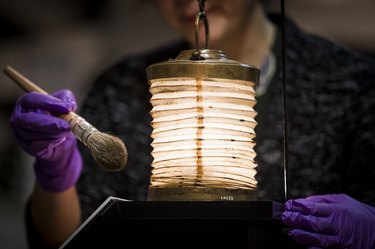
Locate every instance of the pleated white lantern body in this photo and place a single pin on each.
(203, 128)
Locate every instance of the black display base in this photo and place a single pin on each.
(119, 223)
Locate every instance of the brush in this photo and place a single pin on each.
(108, 151)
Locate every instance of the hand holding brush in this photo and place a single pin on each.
(44, 126)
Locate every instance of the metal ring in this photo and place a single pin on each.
(201, 16)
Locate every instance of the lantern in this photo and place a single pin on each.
(203, 126)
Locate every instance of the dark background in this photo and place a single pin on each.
(67, 43)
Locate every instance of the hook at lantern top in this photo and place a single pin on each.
(201, 16)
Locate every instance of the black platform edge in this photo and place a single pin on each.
(120, 223)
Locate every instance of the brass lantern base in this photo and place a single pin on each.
(200, 194)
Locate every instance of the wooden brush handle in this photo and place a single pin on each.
(29, 86)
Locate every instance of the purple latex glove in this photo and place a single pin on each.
(330, 221)
(48, 138)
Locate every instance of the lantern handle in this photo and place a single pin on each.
(200, 16)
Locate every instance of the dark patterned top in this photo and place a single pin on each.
(330, 120)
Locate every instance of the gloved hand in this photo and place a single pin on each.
(330, 221)
(42, 134)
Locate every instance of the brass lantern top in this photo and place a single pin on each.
(211, 64)
(203, 63)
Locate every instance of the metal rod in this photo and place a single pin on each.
(285, 123)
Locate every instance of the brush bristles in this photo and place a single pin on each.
(108, 151)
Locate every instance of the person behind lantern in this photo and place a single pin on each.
(330, 96)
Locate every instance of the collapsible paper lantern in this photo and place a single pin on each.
(203, 128)
(203, 125)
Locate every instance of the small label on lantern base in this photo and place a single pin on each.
(200, 194)
(227, 198)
